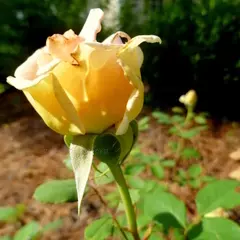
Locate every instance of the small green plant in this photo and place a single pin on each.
(143, 123)
(11, 214)
(32, 230)
(161, 215)
(185, 124)
(153, 162)
(193, 176)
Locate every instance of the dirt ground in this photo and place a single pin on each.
(32, 154)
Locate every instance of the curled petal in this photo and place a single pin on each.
(61, 46)
(130, 57)
(133, 108)
(70, 35)
(29, 72)
(92, 25)
(48, 67)
(116, 38)
(21, 83)
(136, 41)
(44, 58)
(28, 69)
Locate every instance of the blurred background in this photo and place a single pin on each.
(200, 50)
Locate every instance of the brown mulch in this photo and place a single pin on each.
(31, 154)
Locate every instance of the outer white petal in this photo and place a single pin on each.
(92, 25)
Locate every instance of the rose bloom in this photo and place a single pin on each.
(79, 86)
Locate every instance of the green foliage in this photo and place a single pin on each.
(158, 171)
(164, 208)
(168, 163)
(29, 231)
(52, 225)
(162, 117)
(160, 214)
(135, 196)
(177, 119)
(143, 123)
(190, 153)
(56, 191)
(136, 182)
(11, 214)
(173, 146)
(215, 229)
(34, 231)
(193, 176)
(188, 134)
(103, 175)
(6, 238)
(134, 169)
(143, 161)
(99, 229)
(200, 119)
(195, 171)
(222, 193)
(167, 211)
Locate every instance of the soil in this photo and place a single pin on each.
(31, 154)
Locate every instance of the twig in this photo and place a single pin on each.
(108, 210)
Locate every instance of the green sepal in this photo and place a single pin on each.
(68, 140)
(111, 148)
(107, 147)
(81, 153)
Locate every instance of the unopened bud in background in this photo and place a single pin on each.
(189, 99)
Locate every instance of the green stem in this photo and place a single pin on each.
(189, 115)
(127, 202)
(186, 122)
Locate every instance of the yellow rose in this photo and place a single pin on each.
(79, 86)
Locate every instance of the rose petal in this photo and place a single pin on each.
(70, 35)
(48, 67)
(98, 53)
(104, 80)
(61, 47)
(43, 98)
(130, 58)
(66, 104)
(44, 58)
(21, 83)
(92, 25)
(116, 38)
(28, 69)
